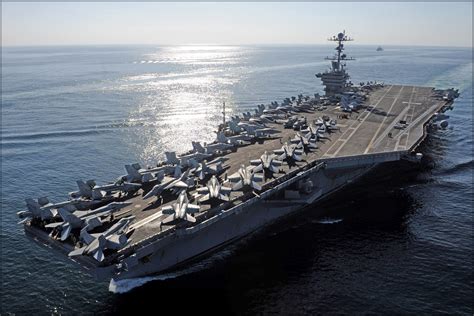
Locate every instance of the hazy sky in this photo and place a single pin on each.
(440, 24)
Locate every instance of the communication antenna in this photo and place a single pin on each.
(339, 56)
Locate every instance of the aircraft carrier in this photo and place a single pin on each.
(262, 166)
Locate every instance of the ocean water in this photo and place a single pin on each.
(398, 241)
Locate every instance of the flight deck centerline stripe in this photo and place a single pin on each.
(145, 220)
(408, 132)
(353, 124)
(362, 122)
(397, 144)
(383, 121)
(375, 142)
(389, 128)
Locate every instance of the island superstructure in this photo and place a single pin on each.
(262, 166)
(335, 80)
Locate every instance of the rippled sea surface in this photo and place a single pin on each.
(399, 241)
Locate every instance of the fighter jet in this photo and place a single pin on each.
(258, 130)
(304, 143)
(266, 163)
(121, 186)
(181, 209)
(211, 148)
(239, 140)
(45, 210)
(201, 170)
(246, 178)
(311, 133)
(85, 219)
(234, 127)
(136, 174)
(113, 238)
(259, 120)
(213, 190)
(41, 208)
(289, 152)
(184, 160)
(277, 110)
(326, 125)
(92, 191)
(332, 126)
(290, 122)
(176, 183)
(86, 190)
(133, 174)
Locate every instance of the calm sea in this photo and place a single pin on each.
(398, 241)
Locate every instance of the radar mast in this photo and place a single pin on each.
(335, 80)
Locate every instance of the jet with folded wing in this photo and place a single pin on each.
(267, 163)
(84, 219)
(245, 178)
(302, 142)
(213, 191)
(289, 152)
(203, 169)
(237, 140)
(211, 148)
(180, 210)
(113, 238)
(175, 184)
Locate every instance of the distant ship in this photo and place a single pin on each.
(379, 49)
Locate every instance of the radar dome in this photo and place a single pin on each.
(340, 35)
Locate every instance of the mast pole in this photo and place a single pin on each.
(223, 113)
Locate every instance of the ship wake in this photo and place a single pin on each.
(328, 220)
(126, 285)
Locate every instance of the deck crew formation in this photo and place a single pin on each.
(262, 165)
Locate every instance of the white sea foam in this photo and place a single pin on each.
(123, 286)
(328, 220)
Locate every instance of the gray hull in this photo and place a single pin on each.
(177, 249)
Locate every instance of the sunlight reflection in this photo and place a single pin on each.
(199, 55)
(184, 104)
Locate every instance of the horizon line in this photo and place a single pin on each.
(233, 45)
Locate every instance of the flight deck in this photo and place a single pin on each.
(369, 130)
(261, 167)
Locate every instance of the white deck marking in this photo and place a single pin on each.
(363, 120)
(412, 124)
(369, 146)
(355, 128)
(395, 121)
(389, 128)
(146, 220)
(397, 145)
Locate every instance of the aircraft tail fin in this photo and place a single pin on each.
(32, 205)
(43, 201)
(221, 138)
(84, 189)
(198, 147)
(133, 173)
(177, 172)
(171, 158)
(91, 183)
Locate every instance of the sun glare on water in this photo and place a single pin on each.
(183, 104)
